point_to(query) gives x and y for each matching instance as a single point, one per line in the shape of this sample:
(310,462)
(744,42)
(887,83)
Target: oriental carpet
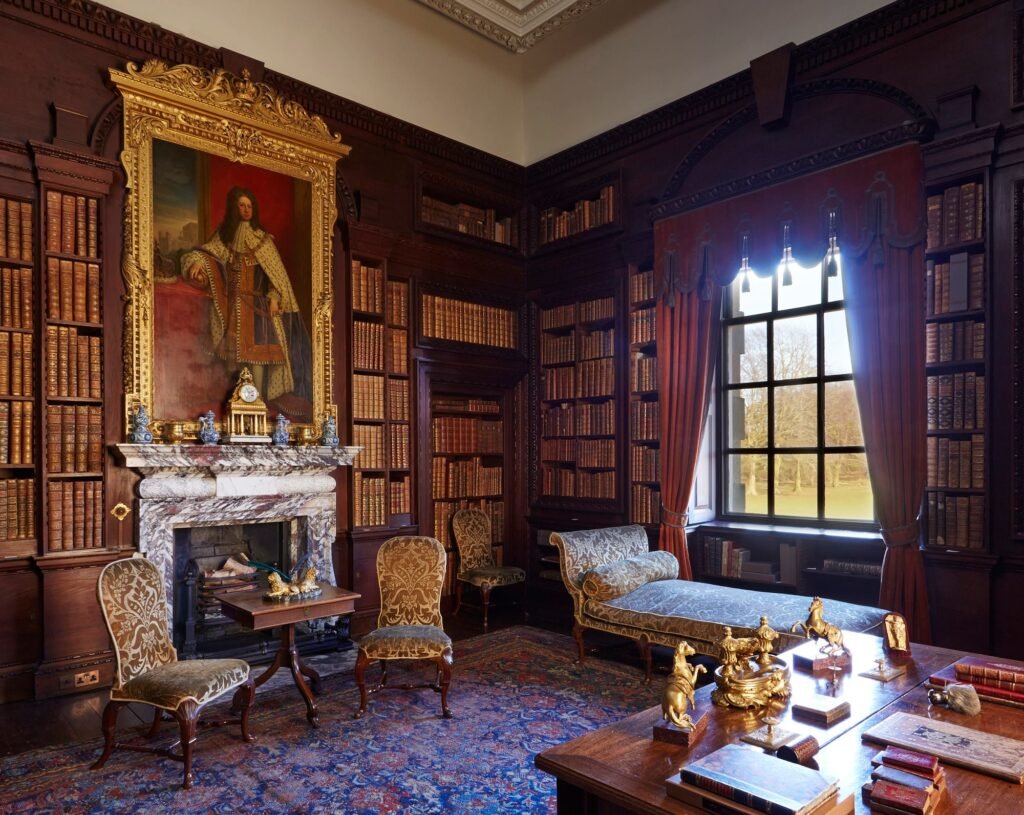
(514,693)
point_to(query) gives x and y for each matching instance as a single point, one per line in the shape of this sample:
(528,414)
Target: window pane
(796,416)
(748,417)
(796,485)
(847,488)
(805,290)
(756,301)
(842,416)
(796,347)
(837,344)
(747,353)
(747,484)
(835,284)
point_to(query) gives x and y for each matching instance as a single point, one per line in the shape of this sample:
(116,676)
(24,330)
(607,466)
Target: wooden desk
(621,769)
(254,611)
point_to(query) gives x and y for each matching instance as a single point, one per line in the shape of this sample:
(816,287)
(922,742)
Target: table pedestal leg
(287,655)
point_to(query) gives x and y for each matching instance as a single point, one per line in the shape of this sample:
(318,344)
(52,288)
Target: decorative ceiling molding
(513,24)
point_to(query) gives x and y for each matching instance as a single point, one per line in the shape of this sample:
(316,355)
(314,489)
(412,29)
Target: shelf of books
(955,359)
(72,339)
(556,223)
(577,379)
(18,464)
(485,223)
(461,321)
(382,475)
(644,448)
(467,466)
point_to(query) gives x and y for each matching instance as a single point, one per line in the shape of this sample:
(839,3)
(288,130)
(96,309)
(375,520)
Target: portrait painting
(232,284)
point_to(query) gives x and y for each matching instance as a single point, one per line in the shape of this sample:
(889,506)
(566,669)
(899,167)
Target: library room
(512,406)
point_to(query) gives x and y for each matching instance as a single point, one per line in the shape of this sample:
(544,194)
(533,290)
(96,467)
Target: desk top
(622,764)
(252,610)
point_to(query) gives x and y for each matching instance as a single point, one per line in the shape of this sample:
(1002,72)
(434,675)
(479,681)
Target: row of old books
(398,356)
(401,495)
(558,317)
(369,496)
(72,291)
(398,400)
(73,364)
(461,321)
(642,326)
(72,224)
(956,463)
(559,383)
(16,297)
(956,521)
(464,478)
(15,432)
(641,286)
(451,404)
(558,482)
(643,376)
(75,515)
(841,566)
(724,557)
(557,349)
(74,438)
(556,223)
(367,396)
(645,464)
(458,434)
(596,453)
(646,507)
(495,510)
(367,288)
(904,782)
(957,285)
(595,485)
(956,215)
(398,303)
(598,344)
(595,419)
(957,341)
(596,377)
(371,438)
(481,222)
(956,401)
(603,308)
(997,680)
(558,420)
(15,230)
(15,364)
(367,346)
(398,450)
(17,508)
(644,421)
(558,449)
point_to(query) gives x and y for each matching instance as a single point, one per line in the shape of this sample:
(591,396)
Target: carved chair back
(472,529)
(411,572)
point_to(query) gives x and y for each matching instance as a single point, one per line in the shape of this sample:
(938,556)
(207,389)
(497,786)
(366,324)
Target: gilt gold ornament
(749,676)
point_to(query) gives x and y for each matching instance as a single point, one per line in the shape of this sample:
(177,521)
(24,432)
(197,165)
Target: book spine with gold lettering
(93,296)
(26,433)
(26,297)
(3,227)
(26,232)
(16,363)
(54,438)
(5,363)
(82,438)
(66,295)
(78,293)
(24,485)
(67,225)
(81,231)
(54,516)
(16,432)
(88,515)
(13,230)
(53,221)
(62,361)
(67,446)
(52,289)
(12,297)
(5,432)
(95,453)
(26,365)
(6,286)
(95,379)
(4,531)
(67,532)
(52,366)
(72,363)
(78,524)
(82,353)
(93,247)
(97,521)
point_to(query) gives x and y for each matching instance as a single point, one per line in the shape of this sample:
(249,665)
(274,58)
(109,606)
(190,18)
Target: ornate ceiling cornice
(513,24)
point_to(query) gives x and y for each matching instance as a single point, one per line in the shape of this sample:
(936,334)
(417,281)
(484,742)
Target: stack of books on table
(904,782)
(736,780)
(995,680)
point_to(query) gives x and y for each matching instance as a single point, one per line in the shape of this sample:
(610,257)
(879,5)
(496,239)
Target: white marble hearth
(188,485)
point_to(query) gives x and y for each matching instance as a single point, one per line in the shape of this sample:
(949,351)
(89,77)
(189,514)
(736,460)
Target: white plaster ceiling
(513,24)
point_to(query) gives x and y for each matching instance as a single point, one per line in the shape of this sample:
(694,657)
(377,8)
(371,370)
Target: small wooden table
(620,769)
(257,613)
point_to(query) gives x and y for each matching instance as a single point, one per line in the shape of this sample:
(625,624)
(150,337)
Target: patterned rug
(514,693)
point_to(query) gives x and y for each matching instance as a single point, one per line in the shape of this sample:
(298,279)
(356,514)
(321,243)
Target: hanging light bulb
(831,264)
(745,268)
(787,257)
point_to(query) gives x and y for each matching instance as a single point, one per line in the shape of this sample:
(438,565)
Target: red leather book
(920,763)
(906,799)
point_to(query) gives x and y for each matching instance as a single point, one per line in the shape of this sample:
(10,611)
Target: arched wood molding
(916,125)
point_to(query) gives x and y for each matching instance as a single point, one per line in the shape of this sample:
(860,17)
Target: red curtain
(875,205)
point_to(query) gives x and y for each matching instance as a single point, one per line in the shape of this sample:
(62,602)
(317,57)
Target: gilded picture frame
(242,136)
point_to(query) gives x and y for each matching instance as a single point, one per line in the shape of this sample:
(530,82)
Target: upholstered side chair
(134,605)
(411,572)
(472,529)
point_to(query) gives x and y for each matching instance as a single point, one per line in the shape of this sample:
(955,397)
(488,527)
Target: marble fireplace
(188,486)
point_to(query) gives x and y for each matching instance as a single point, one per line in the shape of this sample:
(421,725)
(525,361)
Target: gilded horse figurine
(815,627)
(678,694)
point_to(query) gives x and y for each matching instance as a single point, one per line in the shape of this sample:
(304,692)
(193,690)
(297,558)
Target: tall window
(792,446)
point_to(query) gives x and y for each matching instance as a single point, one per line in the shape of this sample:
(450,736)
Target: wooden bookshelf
(577,389)
(467,437)
(382,475)
(451,320)
(956,353)
(588,209)
(465,212)
(644,428)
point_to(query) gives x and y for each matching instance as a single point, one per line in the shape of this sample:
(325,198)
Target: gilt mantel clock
(247,413)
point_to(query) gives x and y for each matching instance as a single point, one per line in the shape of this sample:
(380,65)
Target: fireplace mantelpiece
(212,485)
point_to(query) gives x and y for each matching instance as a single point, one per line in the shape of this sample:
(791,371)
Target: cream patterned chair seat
(411,572)
(620,587)
(134,605)
(473,539)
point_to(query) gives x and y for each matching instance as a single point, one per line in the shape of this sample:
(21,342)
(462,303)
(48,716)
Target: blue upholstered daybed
(618,586)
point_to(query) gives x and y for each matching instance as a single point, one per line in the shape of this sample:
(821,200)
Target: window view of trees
(792,428)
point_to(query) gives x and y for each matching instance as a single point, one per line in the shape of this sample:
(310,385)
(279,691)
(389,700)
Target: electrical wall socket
(87,678)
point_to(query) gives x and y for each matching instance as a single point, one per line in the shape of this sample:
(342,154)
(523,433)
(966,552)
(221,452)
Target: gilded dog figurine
(678,693)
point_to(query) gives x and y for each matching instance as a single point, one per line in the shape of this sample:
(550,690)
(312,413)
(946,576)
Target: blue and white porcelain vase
(140,427)
(208,433)
(329,436)
(280,436)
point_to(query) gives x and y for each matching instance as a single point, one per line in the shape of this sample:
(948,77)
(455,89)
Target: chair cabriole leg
(577,632)
(445,664)
(361,662)
(249,693)
(188,717)
(485,591)
(109,725)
